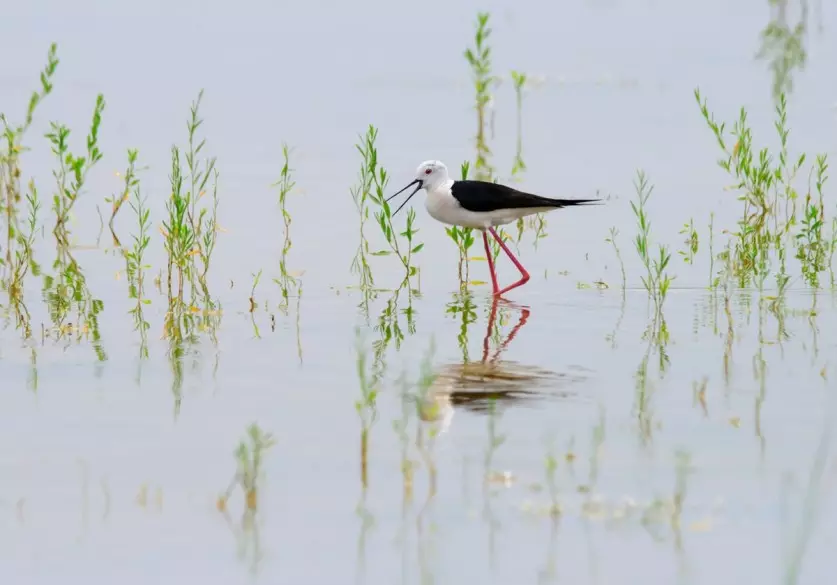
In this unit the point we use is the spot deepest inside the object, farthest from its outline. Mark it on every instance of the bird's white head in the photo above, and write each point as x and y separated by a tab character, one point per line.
430	175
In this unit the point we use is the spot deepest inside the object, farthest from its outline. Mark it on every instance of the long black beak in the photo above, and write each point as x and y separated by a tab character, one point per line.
417	182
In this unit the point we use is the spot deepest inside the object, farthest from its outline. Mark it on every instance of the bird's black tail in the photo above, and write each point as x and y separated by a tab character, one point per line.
570	202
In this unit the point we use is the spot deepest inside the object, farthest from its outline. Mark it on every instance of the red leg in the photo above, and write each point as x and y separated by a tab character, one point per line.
490	262
524	275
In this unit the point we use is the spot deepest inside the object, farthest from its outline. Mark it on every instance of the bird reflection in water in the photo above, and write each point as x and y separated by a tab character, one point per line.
477	385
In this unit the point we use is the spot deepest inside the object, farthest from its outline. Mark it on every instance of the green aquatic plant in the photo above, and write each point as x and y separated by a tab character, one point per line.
191	230
23	260
756	183
376	193
691	243
764	182
361	194
190	233
656	280
812	248
131	181
463	308
417	398
389	327
538	220
66	289
612	241
287	283
178	233
135	266
783	45
712	283
248	456
401	426
257	276
10	152
519	81
72	170
479	59
366	407
463	237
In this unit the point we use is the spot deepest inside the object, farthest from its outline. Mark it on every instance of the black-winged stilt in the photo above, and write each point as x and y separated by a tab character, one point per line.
481	205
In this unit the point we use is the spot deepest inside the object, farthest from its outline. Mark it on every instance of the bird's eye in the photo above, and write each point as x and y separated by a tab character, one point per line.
428	171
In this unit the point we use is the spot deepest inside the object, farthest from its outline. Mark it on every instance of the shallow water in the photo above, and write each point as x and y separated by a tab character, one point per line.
698	471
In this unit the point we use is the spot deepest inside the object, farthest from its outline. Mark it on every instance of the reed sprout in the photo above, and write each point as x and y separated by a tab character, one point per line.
479	59
519	81
612	241
656	280
135	256
361	194
287	283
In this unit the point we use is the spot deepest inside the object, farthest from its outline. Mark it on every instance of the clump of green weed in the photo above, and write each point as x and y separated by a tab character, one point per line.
67	288
812	248
765	185
190	230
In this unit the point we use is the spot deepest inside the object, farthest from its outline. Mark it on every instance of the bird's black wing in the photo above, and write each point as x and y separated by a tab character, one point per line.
483	196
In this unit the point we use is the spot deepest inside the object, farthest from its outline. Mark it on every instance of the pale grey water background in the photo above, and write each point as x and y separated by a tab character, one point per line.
617	96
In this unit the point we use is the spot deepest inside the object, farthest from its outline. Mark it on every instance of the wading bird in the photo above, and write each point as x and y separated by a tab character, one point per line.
481	205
